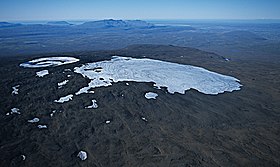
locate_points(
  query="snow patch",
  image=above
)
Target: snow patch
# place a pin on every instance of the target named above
(23, 157)
(85, 89)
(42, 73)
(82, 155)
(15, 90)
(42, 126)
(144, 119)
(176, 77)
(94, 105)
(107, 122)
(151, 95)
(93, 84)
(53, 112)
(34, 120)
(49, 62)
(13, 111)
(64, 99)
(61, 84)
(69, 70)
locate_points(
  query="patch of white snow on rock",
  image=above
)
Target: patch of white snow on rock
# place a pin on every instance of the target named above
(94, 105)
(82, 155)
(42, 126)
(64, 99)
(13, 111)
(176, 77)
(42, 73)
(144, 119)
(49, 62)
(85, 89)
(34, 120)
(23, 157)
(69, 70)
(53, 112)
(151, 95)
(15, 90)
(60, 84)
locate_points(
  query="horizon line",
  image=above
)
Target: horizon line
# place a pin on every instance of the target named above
(147, 19)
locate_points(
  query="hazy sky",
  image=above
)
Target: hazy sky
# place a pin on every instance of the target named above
(11, 10)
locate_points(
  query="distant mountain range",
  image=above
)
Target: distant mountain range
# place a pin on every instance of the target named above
(61, 36)
(59, 23)
(117, 24)
(7, 24)
(109, 23)
(101, 25)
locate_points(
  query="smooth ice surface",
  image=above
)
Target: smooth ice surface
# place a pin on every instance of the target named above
(151, 95)
(42, 126)
(94, 104)
(64, 99)
(42, 73)
(60, 84)
(49, 61)
(176, 77)
(15, 90)
(34, 120)
(82, 155)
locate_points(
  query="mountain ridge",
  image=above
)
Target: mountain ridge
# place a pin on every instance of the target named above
(111, 23)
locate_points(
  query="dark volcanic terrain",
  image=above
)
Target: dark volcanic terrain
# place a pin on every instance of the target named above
(193, 129)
